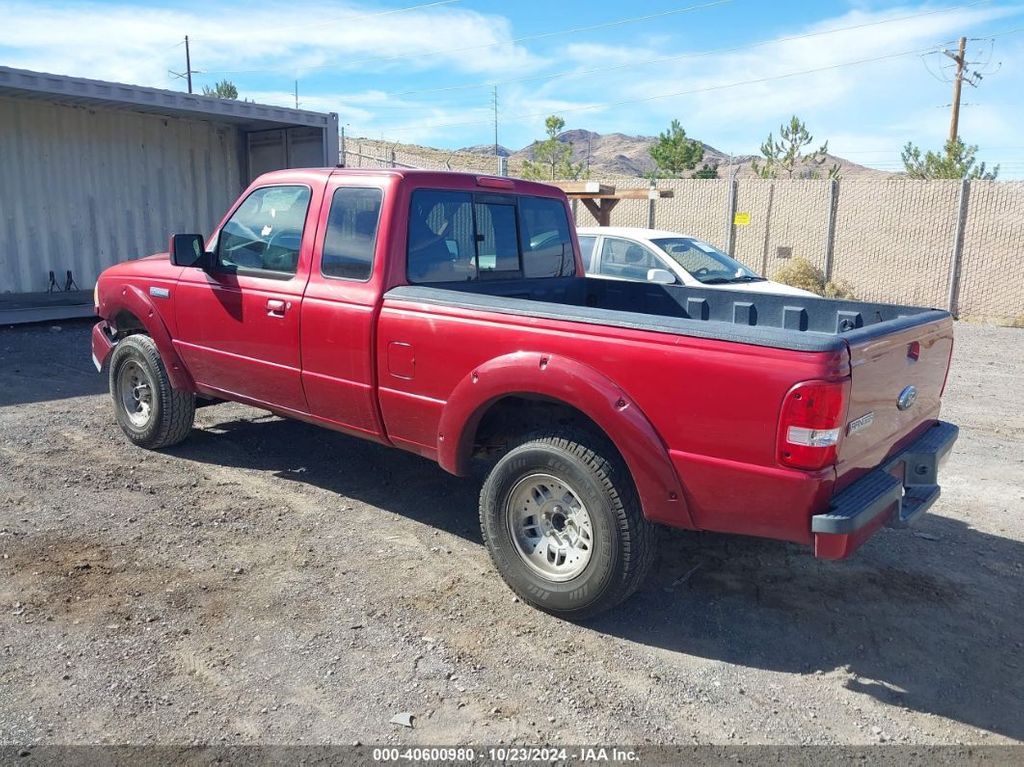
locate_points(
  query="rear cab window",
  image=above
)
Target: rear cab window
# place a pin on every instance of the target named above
(457, 236)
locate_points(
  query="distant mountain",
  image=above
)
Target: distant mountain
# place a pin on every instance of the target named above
(617, 154)
(487, 149)
(608, 155)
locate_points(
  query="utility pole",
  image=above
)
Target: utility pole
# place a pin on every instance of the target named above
(296, 94)
(188, 64)
(961, 59)
(495, 99)
(189, 71)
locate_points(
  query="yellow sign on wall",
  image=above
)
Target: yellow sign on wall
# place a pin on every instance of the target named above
(741, 219)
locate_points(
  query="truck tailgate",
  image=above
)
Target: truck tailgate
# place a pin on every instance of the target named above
(897, 380)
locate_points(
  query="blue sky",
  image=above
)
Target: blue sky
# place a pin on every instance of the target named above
(867, 76)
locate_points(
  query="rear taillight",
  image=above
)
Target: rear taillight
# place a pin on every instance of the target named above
(811, 423)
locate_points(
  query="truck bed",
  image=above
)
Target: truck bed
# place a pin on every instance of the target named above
(784, 322)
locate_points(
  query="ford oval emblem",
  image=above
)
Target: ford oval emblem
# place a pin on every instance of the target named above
(907, 398)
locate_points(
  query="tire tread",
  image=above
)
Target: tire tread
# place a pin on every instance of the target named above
(637, 535)
(177, 408)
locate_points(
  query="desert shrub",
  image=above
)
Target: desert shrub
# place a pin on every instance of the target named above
(801, 273)
(839, 289)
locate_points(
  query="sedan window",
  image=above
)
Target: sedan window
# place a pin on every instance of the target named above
(626, 259)
(587, 243)
(705, 262)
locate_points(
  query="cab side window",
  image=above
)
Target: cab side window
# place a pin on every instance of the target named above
(265, 233)
(546, 242)
(351, 233)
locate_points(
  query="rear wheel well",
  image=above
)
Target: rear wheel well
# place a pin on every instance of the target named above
(512, 417)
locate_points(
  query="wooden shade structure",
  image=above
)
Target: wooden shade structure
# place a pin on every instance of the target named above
(600, 198)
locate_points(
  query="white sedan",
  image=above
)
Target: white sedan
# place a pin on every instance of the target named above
(668, 258)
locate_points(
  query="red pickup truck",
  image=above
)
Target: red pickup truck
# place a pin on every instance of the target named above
(449, 315)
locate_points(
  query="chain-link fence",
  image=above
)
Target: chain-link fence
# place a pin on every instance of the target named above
(363, 153)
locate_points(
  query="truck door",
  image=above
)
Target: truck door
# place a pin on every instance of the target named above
(238, 321)
(339, 309)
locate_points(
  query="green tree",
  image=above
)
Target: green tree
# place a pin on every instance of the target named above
(225, 89)
(956, 160)
(786, 158)
(552, 158)
(707, 171)
(674, 153)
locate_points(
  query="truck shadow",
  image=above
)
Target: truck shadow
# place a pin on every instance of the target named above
(930, 619)
(390, 479)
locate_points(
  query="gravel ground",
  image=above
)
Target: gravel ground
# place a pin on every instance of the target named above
(271, 582)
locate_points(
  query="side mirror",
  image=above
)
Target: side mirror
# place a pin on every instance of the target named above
(661, 276)
(188, 250)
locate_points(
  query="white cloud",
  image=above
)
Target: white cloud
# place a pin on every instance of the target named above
(811, 53)
(868, 111)
(600, 55)
(123, 42)
(859, 107)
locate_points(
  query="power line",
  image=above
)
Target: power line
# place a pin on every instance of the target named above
(357, 17)
(363, 16)
(677, 57)
(664, 59)
(706, 89)
(937, 77)
(723, 86)
(482, 46)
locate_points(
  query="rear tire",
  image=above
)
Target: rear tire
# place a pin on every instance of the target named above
(150, 412)
(563, 525)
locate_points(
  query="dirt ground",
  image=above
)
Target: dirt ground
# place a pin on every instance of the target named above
(270, 582)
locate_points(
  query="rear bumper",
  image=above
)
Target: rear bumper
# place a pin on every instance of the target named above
(894, 494)
(102, 344)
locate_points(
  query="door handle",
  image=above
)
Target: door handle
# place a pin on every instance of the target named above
(276, 307)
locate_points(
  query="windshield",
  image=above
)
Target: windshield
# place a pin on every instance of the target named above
(705, 262)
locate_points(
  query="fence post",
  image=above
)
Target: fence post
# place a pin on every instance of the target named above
(730, 215)
(830, 234)
(650, 204)
(958, 247)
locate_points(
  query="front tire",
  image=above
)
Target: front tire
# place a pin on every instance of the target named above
(150, 412)
(562, 523)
